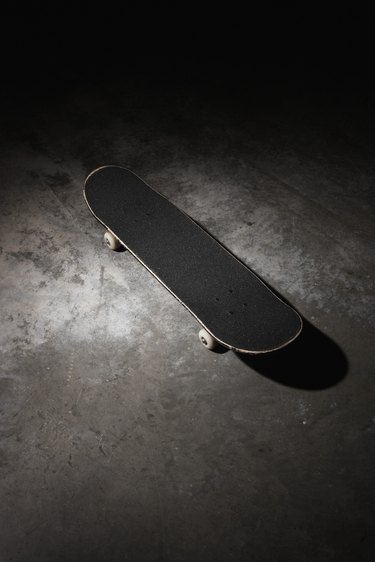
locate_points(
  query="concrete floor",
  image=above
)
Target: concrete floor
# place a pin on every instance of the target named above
(121, 438)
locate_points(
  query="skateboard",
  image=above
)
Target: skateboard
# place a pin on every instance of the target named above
(234, 307)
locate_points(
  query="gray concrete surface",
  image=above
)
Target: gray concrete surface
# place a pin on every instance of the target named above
(121, 438)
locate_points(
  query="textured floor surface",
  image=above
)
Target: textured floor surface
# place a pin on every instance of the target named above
(121, 437)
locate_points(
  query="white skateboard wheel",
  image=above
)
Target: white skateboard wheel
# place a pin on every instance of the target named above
(207, 340)
(111, 241)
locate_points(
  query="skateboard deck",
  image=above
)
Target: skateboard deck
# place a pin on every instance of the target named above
(230, 302)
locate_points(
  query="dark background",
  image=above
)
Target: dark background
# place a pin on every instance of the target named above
(44, 42)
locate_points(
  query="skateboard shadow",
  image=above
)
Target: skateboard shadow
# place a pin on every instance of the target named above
(313, 361)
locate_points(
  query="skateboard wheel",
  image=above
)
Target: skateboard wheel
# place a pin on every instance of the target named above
(207, 340)
(111, 241)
